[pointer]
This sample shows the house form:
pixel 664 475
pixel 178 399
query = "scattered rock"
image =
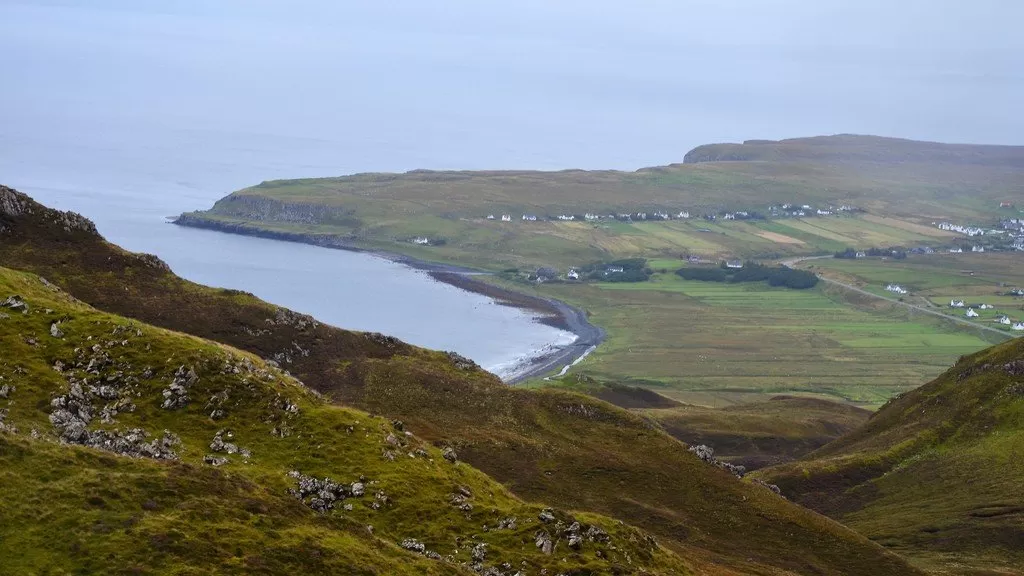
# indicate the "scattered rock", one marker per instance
pixel 543 541
pixel 707 454
pixel 320 494
pixel 461 362
pixel 413 545
pixel 14 303
pixel 176 395
pixel 771 487
pixel 546 515
pixel 479 552
pixel 449 454
pixel 213 460
pixel 55 330
pixel 6 390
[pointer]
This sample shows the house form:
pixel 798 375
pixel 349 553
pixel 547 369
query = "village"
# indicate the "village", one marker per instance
pixel 971 310
pixel 781 211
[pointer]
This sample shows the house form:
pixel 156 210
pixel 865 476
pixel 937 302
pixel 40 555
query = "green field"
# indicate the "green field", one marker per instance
pixel 719 344
pixel 934 280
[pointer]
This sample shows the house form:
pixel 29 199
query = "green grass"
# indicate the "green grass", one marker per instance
pixel 715 344
pixel 561 448
pixel 108 513
pixel 936 473
pixel 384 210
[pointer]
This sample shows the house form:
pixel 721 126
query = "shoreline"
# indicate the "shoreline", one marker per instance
pixel 551 312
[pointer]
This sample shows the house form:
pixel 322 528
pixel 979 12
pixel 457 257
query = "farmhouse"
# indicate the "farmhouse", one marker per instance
pixel 529 218
pixel 956 303
pixel 1018 326
pixel 573 275
pixel 614 270
pixel 490 216
pixel 734 264
pixel 683 215
pixel 896 288
pixel 957 250
pixel 506 217
pixel 977 248
pixel 1004 320
pixel 861 254
pixel 971 313
pixel 566 217
pixel 986 306
pixel 421 241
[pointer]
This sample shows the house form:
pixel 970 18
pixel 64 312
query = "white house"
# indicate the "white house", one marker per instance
pixel 986 306
pixel 861 254
pixel 529 217
pixel 566 217
pixel 683 215
pixel 734 264
pixel 614 270
pixel 573 275
pixel 1005 320
pixel 956 303
pixel 896 288
pixel 490 216
pixel 661 215
pixel 421 241
pixel 729 216
pixel 957 250
pixel 824 212
pixel 506 217
pixel 977 248
pixel 971 313
pixel 1018 326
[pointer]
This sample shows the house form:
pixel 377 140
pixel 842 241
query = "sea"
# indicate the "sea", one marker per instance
pixel 131 111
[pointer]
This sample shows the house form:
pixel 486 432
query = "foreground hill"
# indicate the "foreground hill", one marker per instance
pixel 201 459
pixel 937 473
pixel 902 184
pixel 562 448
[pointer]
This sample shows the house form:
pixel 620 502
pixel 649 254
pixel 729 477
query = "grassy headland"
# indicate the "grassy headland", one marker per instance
pixel 714 344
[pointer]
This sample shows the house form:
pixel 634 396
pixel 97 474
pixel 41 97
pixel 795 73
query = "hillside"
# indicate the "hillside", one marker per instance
pixel 936 474
pixel 561 448
pixel 201 459
pixel 752 434
pixel 901 185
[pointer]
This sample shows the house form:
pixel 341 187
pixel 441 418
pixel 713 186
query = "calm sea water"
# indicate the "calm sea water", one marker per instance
pixel 129 111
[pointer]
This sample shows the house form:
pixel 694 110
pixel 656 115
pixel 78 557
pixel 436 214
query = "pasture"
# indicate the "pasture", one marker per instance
pixel 720 344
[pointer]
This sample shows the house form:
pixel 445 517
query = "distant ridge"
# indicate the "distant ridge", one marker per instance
pixel 858 148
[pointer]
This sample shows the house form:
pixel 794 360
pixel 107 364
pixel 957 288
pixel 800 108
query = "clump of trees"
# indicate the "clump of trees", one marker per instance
pixel 851 253
pixel 633 270
pixel 753 272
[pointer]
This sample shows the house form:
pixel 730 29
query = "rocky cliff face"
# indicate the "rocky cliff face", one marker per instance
pixel 263 209
pixel 14 204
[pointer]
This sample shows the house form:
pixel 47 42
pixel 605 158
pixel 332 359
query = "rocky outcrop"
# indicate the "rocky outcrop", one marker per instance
pixel 322 494
pixel 707 454
pixel 14 205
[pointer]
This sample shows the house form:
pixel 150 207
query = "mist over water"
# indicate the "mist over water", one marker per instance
pixel 131 111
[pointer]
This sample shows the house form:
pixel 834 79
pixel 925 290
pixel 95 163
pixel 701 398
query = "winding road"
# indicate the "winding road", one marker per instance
pixel 792 262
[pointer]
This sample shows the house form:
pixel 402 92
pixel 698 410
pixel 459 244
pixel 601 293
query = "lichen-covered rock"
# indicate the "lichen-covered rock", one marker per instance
pixel 546 516
pixel 413 545
pixel 55 330
pixel 449 454
pixel 14 303
pixel 176 394
pixel 320 494
pixel 461 362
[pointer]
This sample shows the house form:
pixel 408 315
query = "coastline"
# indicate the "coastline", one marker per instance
pixel 552 312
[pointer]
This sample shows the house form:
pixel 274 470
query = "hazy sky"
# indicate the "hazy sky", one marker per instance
pixel 328 87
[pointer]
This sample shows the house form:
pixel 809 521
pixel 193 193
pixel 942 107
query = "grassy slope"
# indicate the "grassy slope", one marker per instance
pixel 82 511
pixel 914 180
pixel 936 473
pixel 754 434
pixel 558 447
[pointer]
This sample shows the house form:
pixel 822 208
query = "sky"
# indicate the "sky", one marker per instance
pixel 399 85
